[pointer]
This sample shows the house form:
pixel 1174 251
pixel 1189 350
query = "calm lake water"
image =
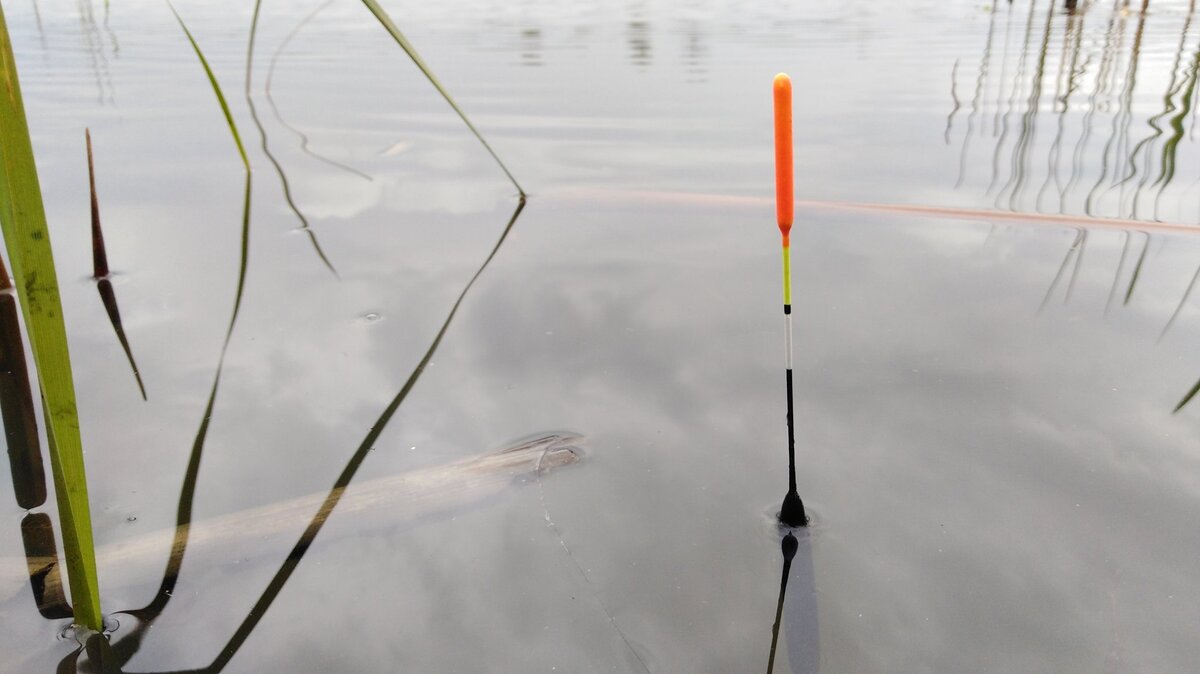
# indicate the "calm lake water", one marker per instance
pixel 985 404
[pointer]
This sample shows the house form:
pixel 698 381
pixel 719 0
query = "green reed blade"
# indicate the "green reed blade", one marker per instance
pixel 237 138
pixel 23 218
pixel 183 516
pixel 1187 397
pixel 212 79
pixel 412 53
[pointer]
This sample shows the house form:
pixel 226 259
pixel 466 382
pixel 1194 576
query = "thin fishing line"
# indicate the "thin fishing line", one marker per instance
pixel 553 526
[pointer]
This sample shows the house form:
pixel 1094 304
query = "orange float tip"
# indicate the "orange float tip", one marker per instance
pixel 784 199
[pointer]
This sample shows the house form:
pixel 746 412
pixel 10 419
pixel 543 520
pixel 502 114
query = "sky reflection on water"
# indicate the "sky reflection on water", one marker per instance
pixel 984 409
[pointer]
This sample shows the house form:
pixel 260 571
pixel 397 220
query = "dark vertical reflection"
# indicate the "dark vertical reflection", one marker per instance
pixel 1187 397
pixel 1110 49
pixel 1012 99
pixel 281 577
pixel 1112 293
pixel 1132 167
pixel 695 53
pixel 287 190
pixel 92 44
pixel 1083 237
pixel 1182 301
pixel 788 544
pixel 45 576
pixel 183 515
pixel 275 108
pixel 531 46
pixel 1116 120
pixel 980 85
pixel 1076 243
pixel 1137 269
pixel 1146 145
pixel 1003 72
pixel 109 299
pixel 954 97
pixel 1167 169
pixel 125 649
pixel 101 656
pixel 99 255
pixel 37 17
pixel 67 665
pixel 1020 154
pixel 1068 70
pixel 799 616
pixel 1125 114
pixel 16 405
pixel 638 34
pixel 112 37
pixel 100 271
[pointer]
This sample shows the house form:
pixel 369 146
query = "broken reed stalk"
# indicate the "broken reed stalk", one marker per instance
pixel 99 258
pixel 100 271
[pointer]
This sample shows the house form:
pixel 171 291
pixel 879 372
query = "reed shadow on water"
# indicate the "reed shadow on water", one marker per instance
pixel 111 657
pixel 284 184
pixel 118 654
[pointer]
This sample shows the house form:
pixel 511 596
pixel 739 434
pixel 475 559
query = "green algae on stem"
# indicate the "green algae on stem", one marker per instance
pixel 26 236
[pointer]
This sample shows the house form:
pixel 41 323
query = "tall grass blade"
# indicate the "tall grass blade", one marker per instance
pixel 412 53
pixel 28 241
pixel 237 139
pixel 216 87
pixel 127 647
pixel 1187 397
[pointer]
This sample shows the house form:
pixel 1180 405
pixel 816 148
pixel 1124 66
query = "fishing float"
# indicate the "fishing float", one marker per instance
pixel 792 513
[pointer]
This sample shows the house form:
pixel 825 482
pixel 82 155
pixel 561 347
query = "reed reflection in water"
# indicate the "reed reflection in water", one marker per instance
pixel 1092 110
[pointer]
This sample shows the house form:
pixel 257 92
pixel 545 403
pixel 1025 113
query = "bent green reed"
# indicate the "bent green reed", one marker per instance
pixel 27 239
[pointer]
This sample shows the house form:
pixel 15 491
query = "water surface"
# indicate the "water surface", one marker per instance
pixel 985 407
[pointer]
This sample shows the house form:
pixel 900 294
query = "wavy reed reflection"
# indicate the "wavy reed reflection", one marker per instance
pixel 1119 102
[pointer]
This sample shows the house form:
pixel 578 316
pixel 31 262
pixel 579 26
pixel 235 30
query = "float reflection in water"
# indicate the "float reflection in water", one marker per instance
pixel 802 634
